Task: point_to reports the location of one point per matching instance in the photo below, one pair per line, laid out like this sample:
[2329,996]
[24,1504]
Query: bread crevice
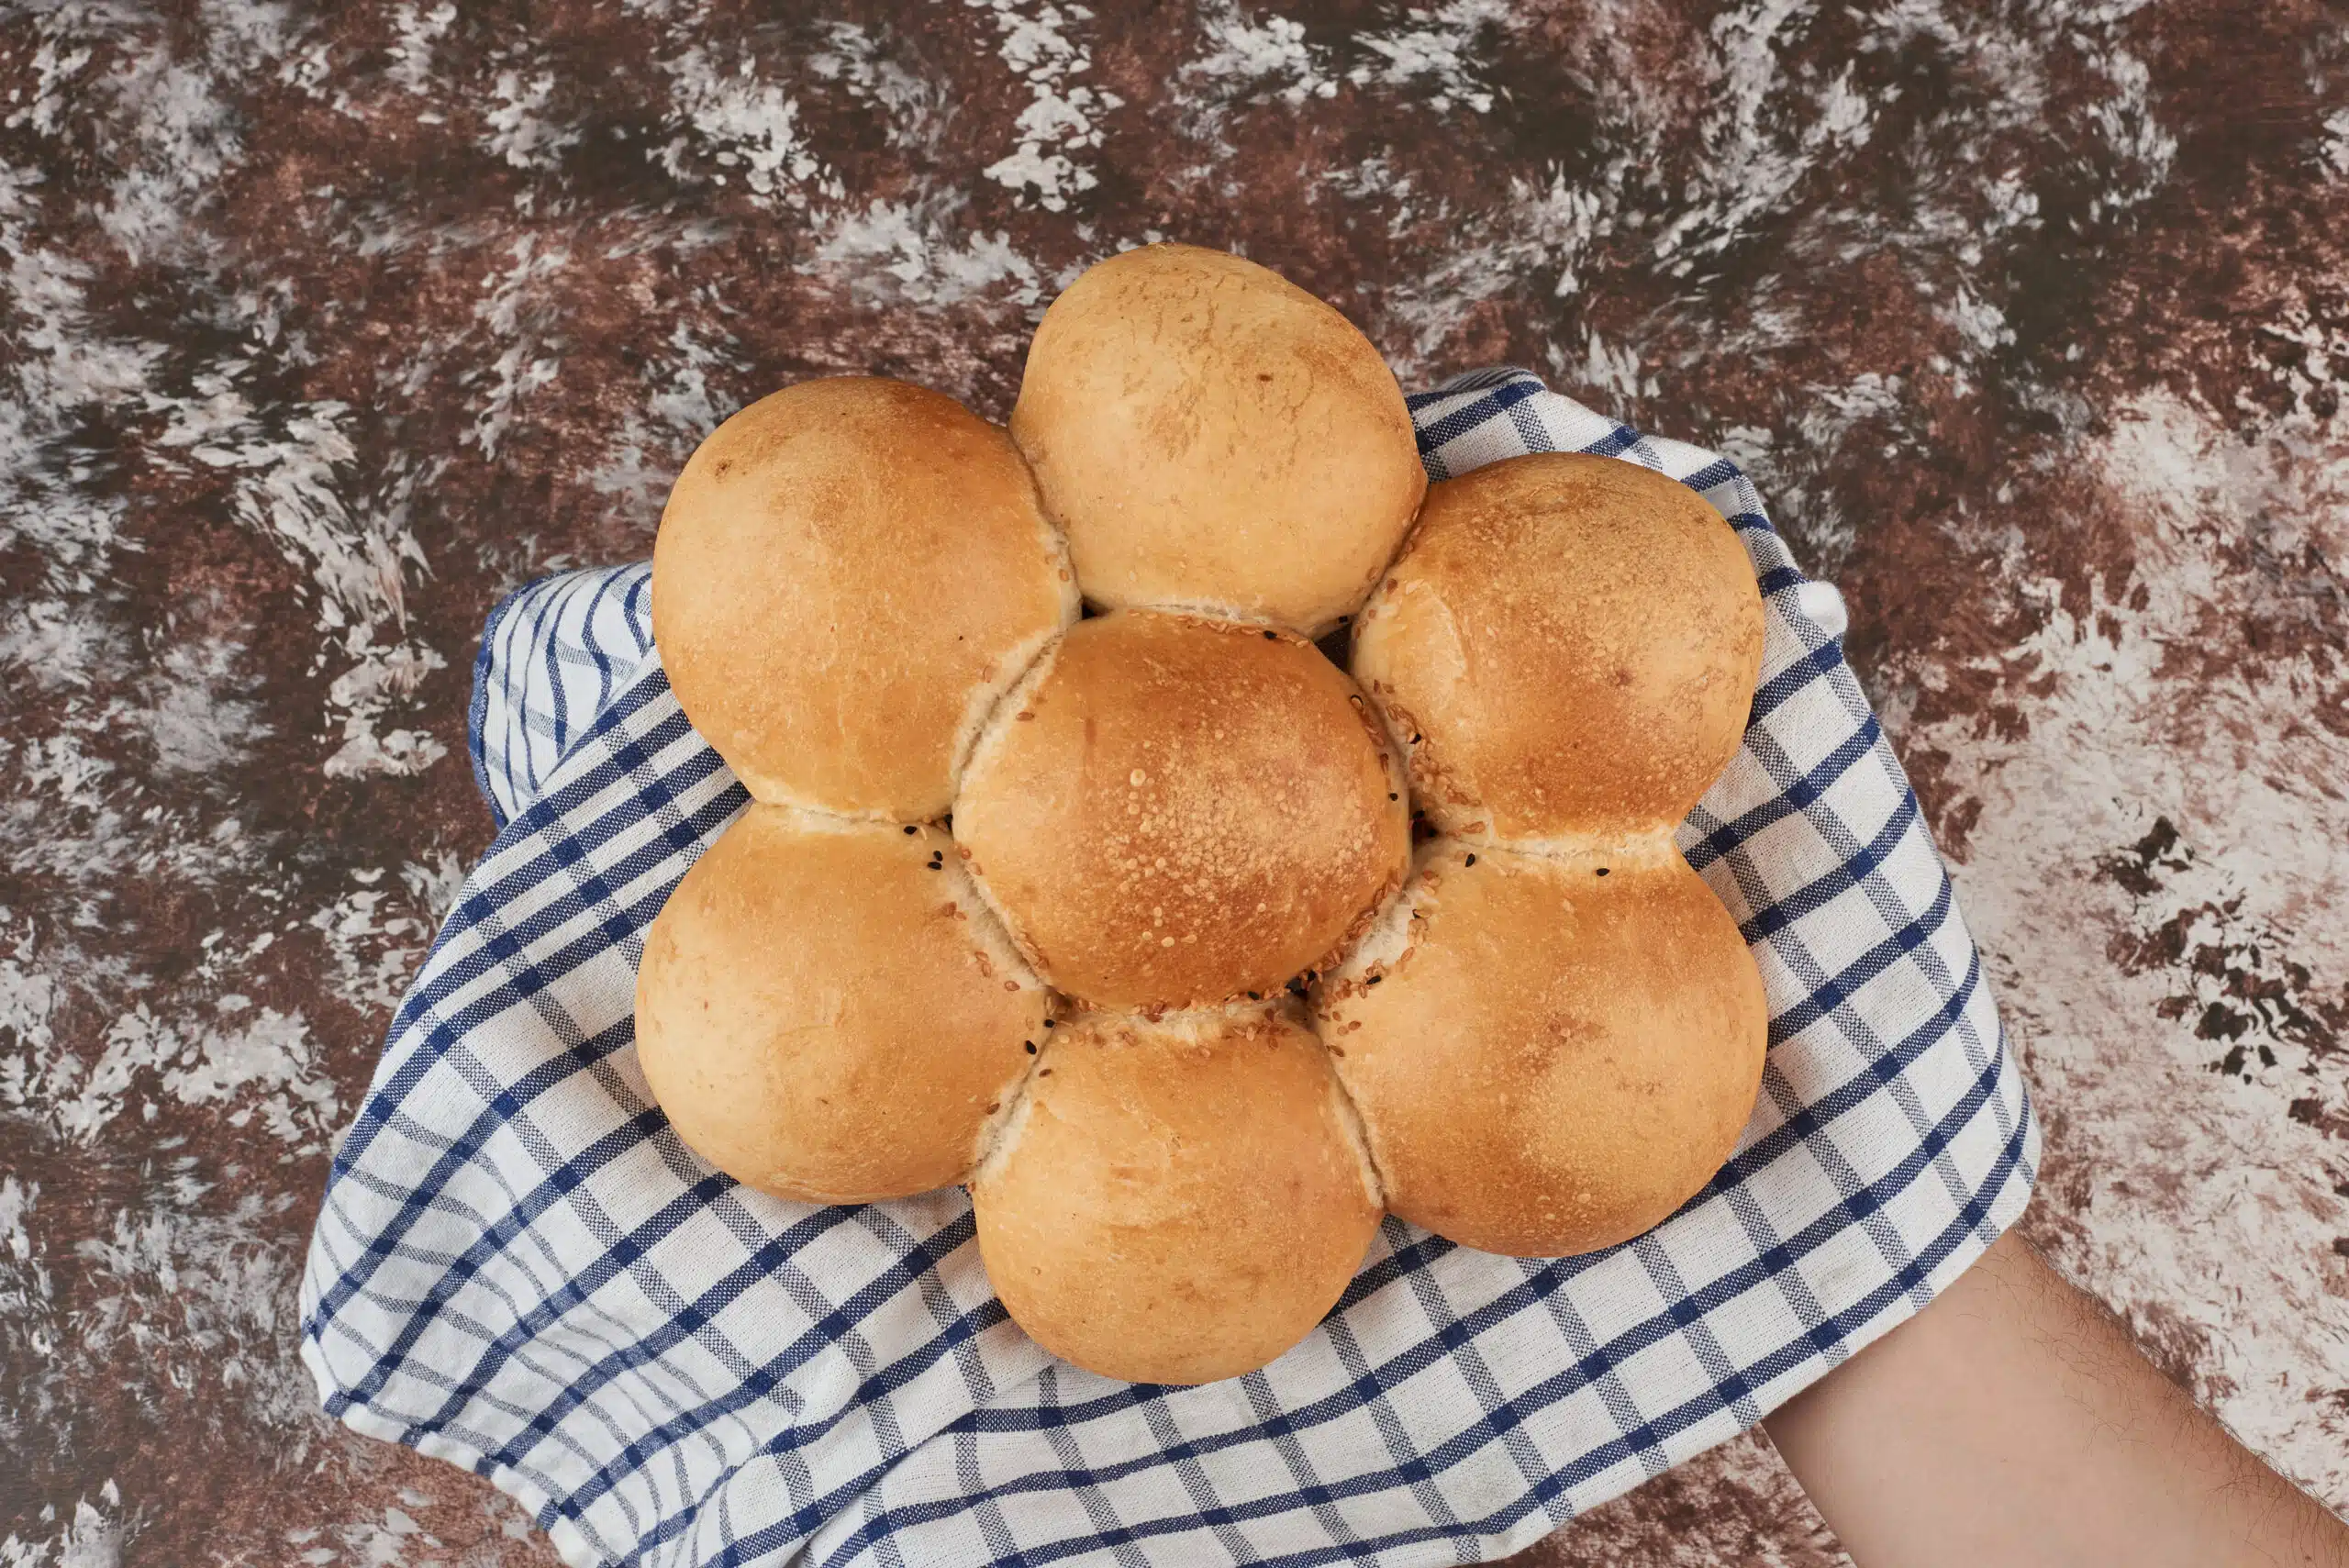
[1355,1126]
[1643,851]
[999,1134]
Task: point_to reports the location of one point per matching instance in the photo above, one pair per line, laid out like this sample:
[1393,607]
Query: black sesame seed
[1051,1023]
[1602,871]
[911,830]
[1253,997]
[1373,979]
[1272,636]
[1472,860]
[1392,795]
[1031,1045]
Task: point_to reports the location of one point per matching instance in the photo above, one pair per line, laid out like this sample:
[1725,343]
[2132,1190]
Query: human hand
[2014,1422]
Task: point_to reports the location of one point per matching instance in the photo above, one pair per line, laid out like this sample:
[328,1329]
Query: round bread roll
[1178,1201]
[848,574]
[1172,811]
[1215,439]
[1567,648]
[1550,1056]
[827,1011]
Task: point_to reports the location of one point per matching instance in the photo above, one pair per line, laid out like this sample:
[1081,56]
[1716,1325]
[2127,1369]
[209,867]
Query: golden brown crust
[847,575]
[827,1011]
[1178,1201]
[1548,1060]
[1178,811]
[1574,641]
[1215,439]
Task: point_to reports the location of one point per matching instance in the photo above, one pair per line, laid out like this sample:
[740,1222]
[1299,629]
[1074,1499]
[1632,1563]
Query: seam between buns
[1399,743]
[1645,849]
[1351,1119]
[989,735]
[1351,1126]
[766,792]
[990,727]
[998,1125]
[1020,942]
[820,819]
[999,1135]
[1390,927]
[1393,558]
[1223,610]
[1056,545]
[978,723]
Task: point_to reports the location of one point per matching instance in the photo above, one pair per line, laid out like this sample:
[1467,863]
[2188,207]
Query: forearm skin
[2012,1423]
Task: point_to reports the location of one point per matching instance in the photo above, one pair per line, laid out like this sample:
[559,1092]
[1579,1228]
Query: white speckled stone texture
[321,326]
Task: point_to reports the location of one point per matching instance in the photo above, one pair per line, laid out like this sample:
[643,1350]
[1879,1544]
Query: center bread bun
[1177,1200]
[1174,811]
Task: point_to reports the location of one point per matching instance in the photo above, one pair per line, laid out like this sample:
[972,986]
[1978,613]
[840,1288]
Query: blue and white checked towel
[520,1268]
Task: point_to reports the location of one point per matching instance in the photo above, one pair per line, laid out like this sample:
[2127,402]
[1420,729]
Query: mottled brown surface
[319,327]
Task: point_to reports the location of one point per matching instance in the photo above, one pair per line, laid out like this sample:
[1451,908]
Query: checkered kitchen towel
[521,1270]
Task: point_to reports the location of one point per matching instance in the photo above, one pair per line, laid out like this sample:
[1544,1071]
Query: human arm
[2013,1422]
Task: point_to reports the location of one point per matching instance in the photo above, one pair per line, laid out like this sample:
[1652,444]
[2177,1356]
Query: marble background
[322,326]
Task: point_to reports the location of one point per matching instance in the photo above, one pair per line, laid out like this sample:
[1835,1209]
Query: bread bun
[827,1011]
[1547,1038]
[1177,1201]
[1215,439]
[848,574]
[1567,648]
[1550,1056]
[1172,811]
